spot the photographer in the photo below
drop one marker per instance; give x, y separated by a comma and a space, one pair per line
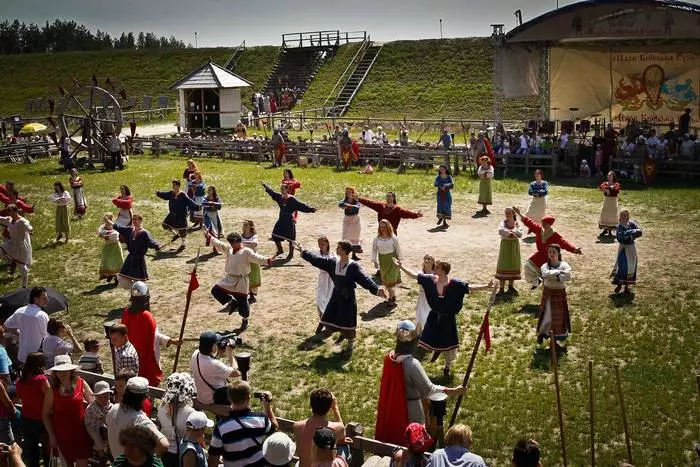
12, 455
210, 375
230, 440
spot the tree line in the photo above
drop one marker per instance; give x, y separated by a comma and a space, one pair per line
66, 36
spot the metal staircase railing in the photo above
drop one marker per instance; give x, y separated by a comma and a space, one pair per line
340, 110
332, 96
235, 56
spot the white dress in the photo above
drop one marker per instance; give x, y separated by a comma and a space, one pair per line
19, 246
422, 307
324, 289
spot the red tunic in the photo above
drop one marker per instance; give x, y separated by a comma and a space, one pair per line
292, 185
392, 411
122, 203
142, 334
540, 257
393, 214
610, 190
68, 420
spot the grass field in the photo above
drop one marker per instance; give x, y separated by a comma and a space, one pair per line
653, 338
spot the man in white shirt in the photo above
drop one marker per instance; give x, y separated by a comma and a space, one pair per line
209, 373
367, 135
523, 144
30, 323
653, 144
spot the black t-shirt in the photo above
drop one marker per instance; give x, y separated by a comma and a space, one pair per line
684, 124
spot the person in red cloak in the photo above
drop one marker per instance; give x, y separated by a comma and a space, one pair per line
9, 195
404, 386
144, 334
483, 148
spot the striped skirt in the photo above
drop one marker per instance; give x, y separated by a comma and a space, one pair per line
554, 314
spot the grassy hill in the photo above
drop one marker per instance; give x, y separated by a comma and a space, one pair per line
141, 72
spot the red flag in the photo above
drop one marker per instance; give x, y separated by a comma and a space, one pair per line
487, 333
194, 283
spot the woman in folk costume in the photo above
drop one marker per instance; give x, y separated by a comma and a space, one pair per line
538, 189
403, 388
608, 216
340, 314
390, 210
123, 201
112, 255
285, 228
178, 204
483, 148
352, 227
554, 308
545, 236
199, 192
422, 306
211, 206
249, 237
76, 183
17, 248
188, 173
233, 289
324, 287
485, 174
61, 198
444, 185
292, 185
138, 241
144, 333
508, 268
625, 270
445, 297
385, 249
348, 149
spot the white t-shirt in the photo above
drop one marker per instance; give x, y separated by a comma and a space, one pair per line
563, 141
118, 419
166, 424
54, 345
31, 322
368, 135
214, 372
523, 142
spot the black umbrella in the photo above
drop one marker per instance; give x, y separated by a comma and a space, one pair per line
20, 297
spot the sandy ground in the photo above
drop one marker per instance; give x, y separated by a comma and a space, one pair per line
286, 301
151, 130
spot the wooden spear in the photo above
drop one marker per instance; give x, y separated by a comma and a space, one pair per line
190, 289
624, 414
591, 410
553, 349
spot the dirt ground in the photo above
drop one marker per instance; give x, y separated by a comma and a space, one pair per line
286, 301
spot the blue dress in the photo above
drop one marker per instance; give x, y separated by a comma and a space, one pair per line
341, 311
444, 198
440, 331
137, 244
177, 207
212, 221
285, 227
625, 271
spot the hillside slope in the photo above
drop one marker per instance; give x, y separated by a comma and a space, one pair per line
142, 72
431, 79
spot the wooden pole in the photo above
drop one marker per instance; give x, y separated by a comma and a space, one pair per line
624, 414
697, 383
591, 410
184, 316
479, 336
553, 349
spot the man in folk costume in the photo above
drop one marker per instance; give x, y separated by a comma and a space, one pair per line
278, 147
144, 334
348, 148
178, 206
404, 387
483, 148
390, 210
233, 288
545, 236
18, 246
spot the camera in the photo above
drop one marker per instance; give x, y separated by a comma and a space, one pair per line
263, 395
229, 340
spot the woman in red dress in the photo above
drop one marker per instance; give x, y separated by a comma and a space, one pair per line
64, 413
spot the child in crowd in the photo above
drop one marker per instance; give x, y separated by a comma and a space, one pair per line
90, 361
95, 416
324, 452
191, 450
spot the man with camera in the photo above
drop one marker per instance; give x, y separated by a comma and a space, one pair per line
211, 375
240, 436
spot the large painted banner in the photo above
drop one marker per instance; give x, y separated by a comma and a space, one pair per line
654, 84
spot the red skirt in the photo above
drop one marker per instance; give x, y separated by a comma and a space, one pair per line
560, 319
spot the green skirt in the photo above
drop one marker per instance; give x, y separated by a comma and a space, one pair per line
62, 224
254, 277
389, 272
485, 191
112, 260
508, 267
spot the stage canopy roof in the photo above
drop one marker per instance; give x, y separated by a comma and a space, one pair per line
211, 76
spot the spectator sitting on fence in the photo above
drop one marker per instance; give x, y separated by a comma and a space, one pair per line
321, 401
241, 131
653, 145
687, 148
445, 140
457, 450
526, 453
367, 135
524, 144
381, 138
403, 137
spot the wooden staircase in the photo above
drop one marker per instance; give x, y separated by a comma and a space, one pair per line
235, 56
347, 92
297, 66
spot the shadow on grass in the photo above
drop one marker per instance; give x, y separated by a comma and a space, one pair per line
506, 297
479, 214
283, 263
203, 258
606, 239
439, 228
380, 310
312, 342
52, 244
333, 362
622, 300
113, 314
7, 279
529, 309
167, 254
100, 288
541, 358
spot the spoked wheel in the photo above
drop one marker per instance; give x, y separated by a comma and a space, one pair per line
87, 115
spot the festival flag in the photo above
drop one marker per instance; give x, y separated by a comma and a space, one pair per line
487, 333
194, 283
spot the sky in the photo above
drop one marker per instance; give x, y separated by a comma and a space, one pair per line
226, 23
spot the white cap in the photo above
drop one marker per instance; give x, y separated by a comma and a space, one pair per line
198, 420
278, 449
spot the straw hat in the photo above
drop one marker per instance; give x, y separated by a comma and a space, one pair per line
63, 363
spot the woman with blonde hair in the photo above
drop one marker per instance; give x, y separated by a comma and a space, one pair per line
384, 249
352, 227
457, 450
